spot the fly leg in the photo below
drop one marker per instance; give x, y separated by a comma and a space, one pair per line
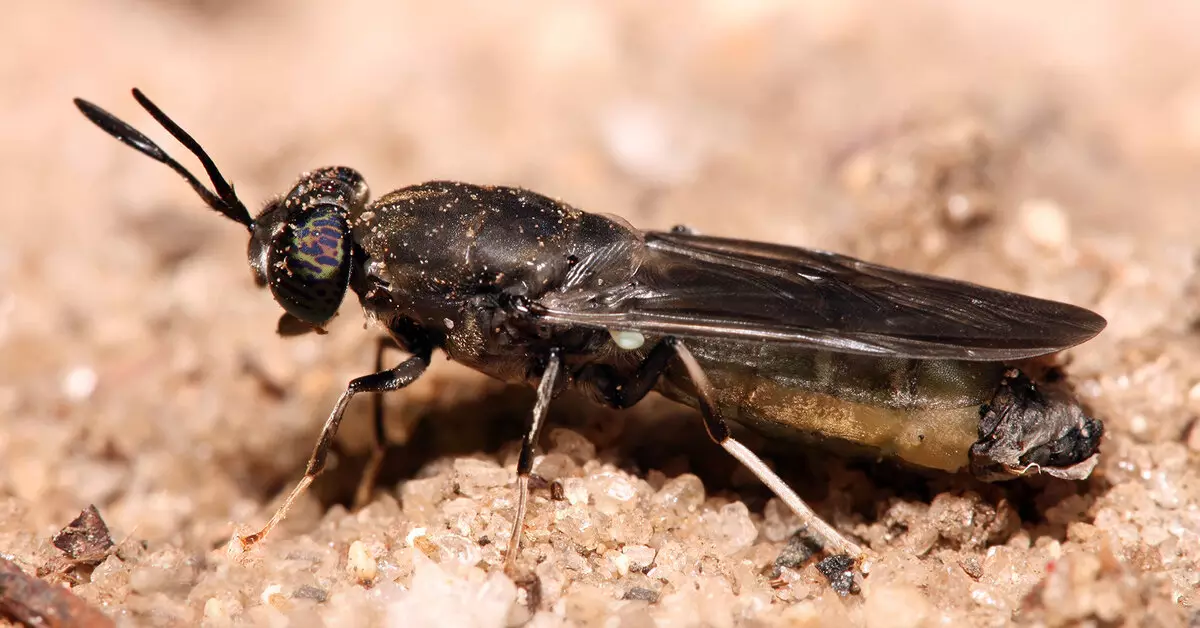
393, 379
623, 394
545, 393
718, 431
366, 484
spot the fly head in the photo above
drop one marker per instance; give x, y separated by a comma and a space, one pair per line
301, 246
302, 249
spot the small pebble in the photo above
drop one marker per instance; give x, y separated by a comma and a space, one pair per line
731, 528
573, 444
618, 562
640, 556
1193, 436
575, 491
641, 593
684, 493
216, 613
309, 592
271, 593
799, 549
971, 567
79, 383
897, 606
1044, 223
839, 571
613, 492
361, 564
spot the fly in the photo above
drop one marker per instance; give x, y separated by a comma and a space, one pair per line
785, 340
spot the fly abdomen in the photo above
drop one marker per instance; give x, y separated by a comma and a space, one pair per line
925, 412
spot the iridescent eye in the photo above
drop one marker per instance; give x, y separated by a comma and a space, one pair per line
308, 265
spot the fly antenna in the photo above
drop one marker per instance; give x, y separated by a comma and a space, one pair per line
224, 200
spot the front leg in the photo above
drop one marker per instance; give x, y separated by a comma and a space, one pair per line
392, 379
366, 485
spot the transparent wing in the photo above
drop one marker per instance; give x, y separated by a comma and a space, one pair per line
689, 285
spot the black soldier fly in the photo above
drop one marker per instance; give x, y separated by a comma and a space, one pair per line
784, 340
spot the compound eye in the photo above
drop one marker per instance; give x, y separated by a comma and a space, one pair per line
308, 263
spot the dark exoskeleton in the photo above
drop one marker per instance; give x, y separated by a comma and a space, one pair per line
784, 340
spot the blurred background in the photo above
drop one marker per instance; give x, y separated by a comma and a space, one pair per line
1047, 147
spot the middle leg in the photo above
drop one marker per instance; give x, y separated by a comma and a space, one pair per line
545, 393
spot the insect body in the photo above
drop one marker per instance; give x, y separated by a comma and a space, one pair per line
785, 340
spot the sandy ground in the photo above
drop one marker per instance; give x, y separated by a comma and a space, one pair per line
1031, 146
